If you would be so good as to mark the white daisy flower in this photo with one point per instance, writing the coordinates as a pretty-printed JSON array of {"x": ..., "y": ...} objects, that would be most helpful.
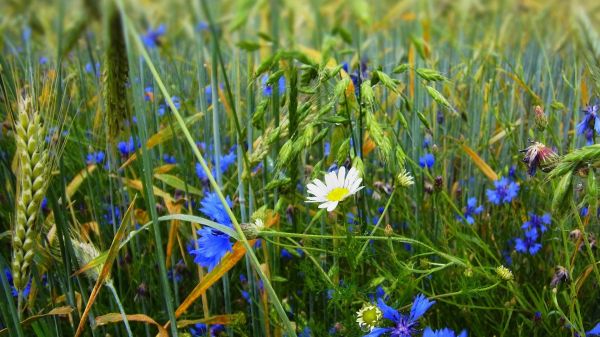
[
  {"x": 337, "y": 187},
  {"x": 368, "y": 317}
]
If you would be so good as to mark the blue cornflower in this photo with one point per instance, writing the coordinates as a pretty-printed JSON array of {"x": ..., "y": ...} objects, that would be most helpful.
[
  {"x": 285, "y": 254},
  {"x": 268, "y": 90},
  {"x": 176, "y": 273},
  {"x": 246, "y": 296},
  {"x": 214, "y": 209},
  {"x": 359, "y": 75},
  {"x": 208, "y": 94},
  {"x": 590, "y": 124},
  {"x": 538, "y": 222},
  {"x": 198, "y": 330},
  {"x": 326, "y": 149},
  {"x": 162, "y": 108},
  {"x": 440, "y": 117},
  {"x": 427, "y": 160},
  {"x": 26, "y": 34},
  {"x": 148, "y": 94},
  {"x": 305, "y": 332},
  {"x": 442, "y": 333},
  {"x": 169, "y": 159},
  {"x": 95, "y": 158},
  {"x": 512, "y": 172},
  {"x": 216, "y": 329},
  {"x": 212, "y": 243},
  {"x": 228, "y": 160},
  {"x": 43, "y": 60},
  {"x": 112, "y": 215},
  {"x": 14, "y": 290},
  {"x": 404, "y": 325},
  {"x": 595, "y": 331},
  {"x": 44, "y": 205},
  {"x": 472, "y": 209},
  {"x": 528, "y": 244},
  {"x": 212, "y": 246},
  {"x": 89, "y": 68},
  {"x": 379, "y": 293},
  {"x": 505, "y": 191},
  {"x": 427, "y": 142},
  {"x": 127, "y": 148},
  {"x": 202, "y": 26},
  {"x": 152, "y": 37}
]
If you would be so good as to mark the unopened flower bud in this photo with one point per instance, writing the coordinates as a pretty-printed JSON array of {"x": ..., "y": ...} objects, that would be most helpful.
[
  {"x": 251, "y": 230},
  {"x": 388, "y": 231},
  {"x": 541, "y": 121}
]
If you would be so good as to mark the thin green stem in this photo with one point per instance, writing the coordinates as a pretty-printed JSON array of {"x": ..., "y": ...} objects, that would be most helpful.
[{"x": 110, "y": 286}]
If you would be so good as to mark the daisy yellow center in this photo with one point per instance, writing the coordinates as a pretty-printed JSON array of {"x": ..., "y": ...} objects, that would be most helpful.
[
  {"x": 370, "y": 316},
  {"x": 337, "y": 194}
]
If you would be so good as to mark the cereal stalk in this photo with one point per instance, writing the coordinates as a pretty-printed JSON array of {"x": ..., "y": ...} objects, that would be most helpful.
[{"x": 32, "y": 177}]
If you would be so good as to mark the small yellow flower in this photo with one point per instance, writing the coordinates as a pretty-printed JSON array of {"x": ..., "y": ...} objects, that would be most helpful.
[
  {"x": 368, "y": 317},
  {"x": 337, "y": 187}
]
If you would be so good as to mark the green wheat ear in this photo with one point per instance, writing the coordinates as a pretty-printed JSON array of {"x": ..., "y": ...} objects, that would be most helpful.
[
  {"x": 115, "y": 74},
  {"x": 32, "y": 178}
]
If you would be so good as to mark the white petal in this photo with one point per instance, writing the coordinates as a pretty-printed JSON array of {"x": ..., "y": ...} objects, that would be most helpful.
[
  {"x": 341, "y": 177},
  {"x": 320, "y": 184},
  {"x": 332, "y": 206},
  {"x": 354, "y": 187},
  {"x": 312, "y": 188},
  {"x": 330, "y": 180}
]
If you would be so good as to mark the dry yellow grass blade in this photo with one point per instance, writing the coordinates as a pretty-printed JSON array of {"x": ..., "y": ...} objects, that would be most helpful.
[
  {"x": 66, "y": 310},
  {"x": 104, "y": 274},
  {"x": 238, "y": 318},
  {"x": 117, "y": 317},
  {"x": 228, "y": 262},
  {"x": 480, "y": 163},
  {"x": 78, "y": 180}
]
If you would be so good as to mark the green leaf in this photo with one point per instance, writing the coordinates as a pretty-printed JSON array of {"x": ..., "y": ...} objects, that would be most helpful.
[
  {"x": 248, "y": 45},
  {"x": 177, "y": 183}
]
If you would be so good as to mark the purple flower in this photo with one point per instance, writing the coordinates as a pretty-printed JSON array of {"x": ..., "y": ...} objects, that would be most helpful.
[
  {"x": 590, "y": 125},
  {"x": 505, "y": 191},
  {"x": 538, "y": 155},
  {"x": 403, "y": 325}
]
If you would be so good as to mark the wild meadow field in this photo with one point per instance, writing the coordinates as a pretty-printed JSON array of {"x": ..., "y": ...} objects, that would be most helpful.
[{"x": 299, "y": 168}]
